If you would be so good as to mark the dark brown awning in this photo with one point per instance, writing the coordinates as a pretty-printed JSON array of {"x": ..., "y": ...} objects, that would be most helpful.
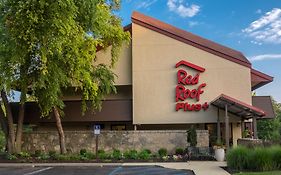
[
  {"x": 237, "y": 107},
  {"x": 264, "y": 103}
]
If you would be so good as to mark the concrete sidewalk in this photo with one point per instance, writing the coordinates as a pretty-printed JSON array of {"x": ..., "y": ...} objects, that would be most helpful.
[{"x": 199, "y": 167}]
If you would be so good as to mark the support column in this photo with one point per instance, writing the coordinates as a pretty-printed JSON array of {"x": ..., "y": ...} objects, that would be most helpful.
[
  {"x": 255, "y": 127},
  {"x": 242, "y": 126},
  {"x": 218, "y": 127},
  {"x": 135, "y": 127},
  {"x": 226, "y": 128}
]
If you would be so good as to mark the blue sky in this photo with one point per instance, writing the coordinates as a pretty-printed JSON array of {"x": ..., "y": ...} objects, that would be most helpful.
[{"x": 252, "y": 27}]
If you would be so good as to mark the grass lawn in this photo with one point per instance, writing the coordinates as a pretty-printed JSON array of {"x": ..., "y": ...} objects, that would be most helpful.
[{"x": 261, "y": 173}]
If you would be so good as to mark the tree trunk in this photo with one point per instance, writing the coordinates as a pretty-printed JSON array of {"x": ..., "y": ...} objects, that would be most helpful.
[
  {"x": 18, "y": 141},
  {"x": 11, "y": 131},
  {"x": 60, "y": 131},
  {"x": 4, "y": 128}
]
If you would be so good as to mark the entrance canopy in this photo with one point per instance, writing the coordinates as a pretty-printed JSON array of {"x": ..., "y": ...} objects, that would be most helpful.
[{"x": 237, "y": 107}]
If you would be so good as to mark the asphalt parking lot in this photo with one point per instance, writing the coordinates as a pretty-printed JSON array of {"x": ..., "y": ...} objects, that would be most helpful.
[{"x": 105, "y": 170}]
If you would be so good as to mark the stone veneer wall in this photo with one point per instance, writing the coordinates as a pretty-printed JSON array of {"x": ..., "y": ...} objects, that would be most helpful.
[
  {"x": 108, "y": 140},
  {"x": 202, "y": 138}
]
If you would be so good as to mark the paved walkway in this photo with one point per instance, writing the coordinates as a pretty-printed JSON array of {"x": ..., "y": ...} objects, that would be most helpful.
[{"x": 199, "y": 167}]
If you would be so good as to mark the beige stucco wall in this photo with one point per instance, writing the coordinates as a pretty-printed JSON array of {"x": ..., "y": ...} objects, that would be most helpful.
[
  {"x": 155, "y": 79},
  {"x": 123, "y": 67}
]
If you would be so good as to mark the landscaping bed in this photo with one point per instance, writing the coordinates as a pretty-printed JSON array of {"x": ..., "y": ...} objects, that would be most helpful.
[{"x": 115, "y": 156}]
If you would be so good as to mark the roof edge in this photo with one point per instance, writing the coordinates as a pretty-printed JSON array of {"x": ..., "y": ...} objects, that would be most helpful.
[
  {"x": 262, "y": 75},
  {"x": 181, "y": 35},
  {"x": 267, "y": 78}
]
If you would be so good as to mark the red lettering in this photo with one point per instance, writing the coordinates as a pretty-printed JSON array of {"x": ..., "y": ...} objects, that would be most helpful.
[
  {"x": 179, "y": 106},
  {"x": 197, "y": 107},
  {"x": 200, "y": 91},
  {"x": 195, "y": 80},
  {"x": 205, "y": 106},
  {"x": 181, "y": 76},
  {"x": 183, "y": 93},
  {"x": 180, "y": 93},
  {"x": 185, "y": 79},
  {"x": 191, "y": 107}
]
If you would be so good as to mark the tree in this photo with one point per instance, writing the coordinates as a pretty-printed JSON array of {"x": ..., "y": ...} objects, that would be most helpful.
[
  {"x": 53, "y": 46},
  {"x": 269, "y": 129}
]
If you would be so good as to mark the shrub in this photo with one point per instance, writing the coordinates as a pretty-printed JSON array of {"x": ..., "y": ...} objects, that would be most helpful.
[
  {"x": 131, "y": 154},
  {"x": 43, "y": 156},
  {"x": 116, "y": 154},
  {"x": 63, "y": 157},
  {"x": 261, "y": 159},
  {"x": 258, "y": 159},
  {"x": 83, "y": 151},
  {"x": 148, "y": 151},
  {"x": 192, "y": 136},
  {"x": 53, "y": 154},
  {"x": 179, "y": 151},
  {"x": 144, "y": 155},
  {"x": 276, "y": 156},
  {"x": 103, "y": 155},
  {"x": 11, "y": 156},
  {"x": 89, "y": 155},
  {"x": 25, "y": 155},
  {"x": 237, "y": 158},
  {"x": 162, "y": 152},
  {"x": 38, "y": 153}
]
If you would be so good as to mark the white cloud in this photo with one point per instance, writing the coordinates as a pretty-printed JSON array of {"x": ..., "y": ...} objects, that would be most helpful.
[
  {"x": 267, "y": 28},
  {"x": 145, "y": 4},
  {"x": 265, "y": 57},
  {"x": 183, "y": 9},
  {"x": 259, "y": 11},
  {"x": 192, "y": 23}
]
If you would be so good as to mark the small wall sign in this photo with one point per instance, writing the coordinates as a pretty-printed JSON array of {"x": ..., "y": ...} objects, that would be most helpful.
[
  {"x": 96, "y": 129},
  {"x": 183, "y": 91}
]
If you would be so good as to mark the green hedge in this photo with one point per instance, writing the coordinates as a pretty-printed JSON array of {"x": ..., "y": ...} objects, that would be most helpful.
[{"x": 257, "y": 159}]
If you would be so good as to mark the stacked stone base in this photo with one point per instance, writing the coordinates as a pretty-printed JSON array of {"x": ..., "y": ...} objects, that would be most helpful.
[{"x": 109, "y": 140}]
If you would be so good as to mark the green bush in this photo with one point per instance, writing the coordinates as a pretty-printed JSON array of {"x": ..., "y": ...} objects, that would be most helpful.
[
  {"x": 131, "y": 154},
  {"x": 144, "y": 155},
  {"x": 261, "y": 159},
  {"x": 237, "y": 158},
  {"x": 44, "y": 156},
  {"x": 11, "y": 156},
  {"x": 148, "y": 151},
  {"x": 179, "y": 151},
  {"x": 162, "y": 152},
  {"x": 258, "y": 159},
  {"x": 116, "y": 154},
  {"x": 89, "y": 155},
  {"x": 85, "y": 155},
  {"x": 83, "y": 151},
  {"x": 192, "y": 136},
  {"x": 103, "y": 155},
  {"x": 38, "y": 153},
  {"x": 63, "y": 157},
  {"x": 53, "y": 154},
  {"x": 24, "y": 155},
  {"x": 276, "y": 156}
]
